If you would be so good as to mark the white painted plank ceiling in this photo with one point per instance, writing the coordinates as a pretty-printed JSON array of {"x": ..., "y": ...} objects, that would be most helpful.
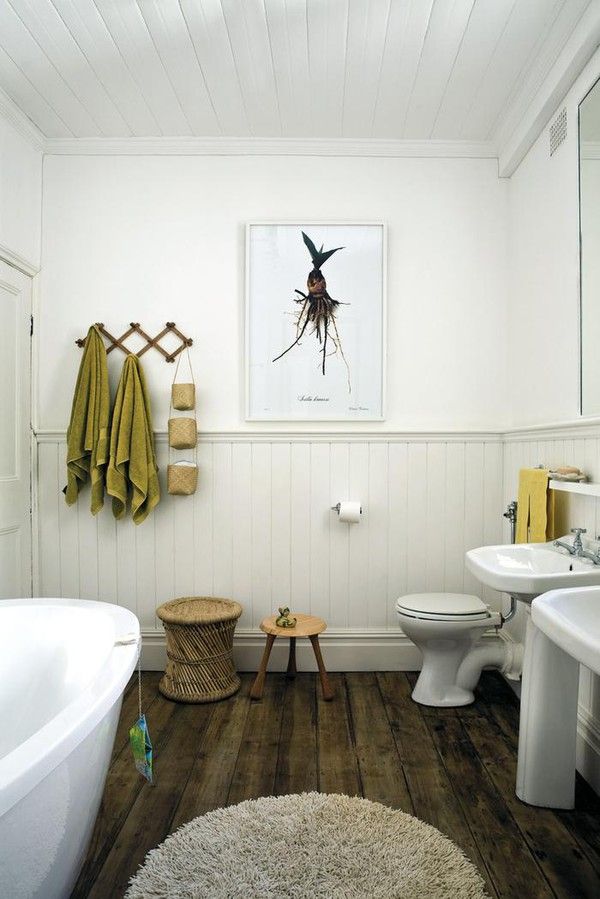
[{"x": 389, "y": 69}]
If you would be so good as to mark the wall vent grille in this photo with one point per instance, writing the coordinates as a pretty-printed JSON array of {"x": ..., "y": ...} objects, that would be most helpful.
[{"x": 558, "y": 131}]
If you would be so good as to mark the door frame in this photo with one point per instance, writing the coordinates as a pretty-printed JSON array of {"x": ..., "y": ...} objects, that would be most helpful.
[{"x": 31, "y": 271}]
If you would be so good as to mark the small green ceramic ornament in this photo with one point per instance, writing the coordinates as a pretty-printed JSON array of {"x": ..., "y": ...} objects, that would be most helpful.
[{"x": 284, "y": 618}]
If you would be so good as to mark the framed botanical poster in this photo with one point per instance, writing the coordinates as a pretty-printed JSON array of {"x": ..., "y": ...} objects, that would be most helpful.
[{"x": 315, "y": 321}]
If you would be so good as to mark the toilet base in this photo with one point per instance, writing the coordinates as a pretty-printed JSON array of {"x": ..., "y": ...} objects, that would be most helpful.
[
  {"x": 450, "y": 696},
  {"x": 449, "y": 630}
]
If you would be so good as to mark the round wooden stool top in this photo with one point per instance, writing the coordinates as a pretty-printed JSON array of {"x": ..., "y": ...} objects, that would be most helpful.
[{"x": 306, "y": 626}]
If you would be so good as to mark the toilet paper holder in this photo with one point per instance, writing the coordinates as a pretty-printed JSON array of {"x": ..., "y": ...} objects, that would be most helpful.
[{"x": 338, "y": 506}]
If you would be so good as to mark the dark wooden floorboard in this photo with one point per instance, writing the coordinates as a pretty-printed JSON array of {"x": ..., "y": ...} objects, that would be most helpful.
[
  {"x": 338, "y": 764},
  {"x": 381, "y": 776},
  {"x": 511, "y": 866},
  {"x": 297, "y": 757},
  {"x": 123, "y": 785},
  {"x": 216, "y": 758},
  {"x": 254, "y": 772},
  {"x": 454, "y": 768},
  {"x": 429, "y": 783},
  {"x": 565, "y": 867},
  {"x": 150, "y": 817}
]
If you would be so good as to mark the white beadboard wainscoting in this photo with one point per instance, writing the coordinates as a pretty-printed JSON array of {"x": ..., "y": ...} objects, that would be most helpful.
[
  {"x": 575, "y": 444},
  {"x": 260, "y": 530}
]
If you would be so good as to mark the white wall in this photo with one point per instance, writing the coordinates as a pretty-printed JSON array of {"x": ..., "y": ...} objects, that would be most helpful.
[
  {"x": 590, "y": 284},
  {"x": 543, "y": 330},
  {"x": 155, "y": 238},
  {"x": 20, "y": 196},
  {"x": 260, "y": 529},
  {"x": 543, "y": 230},
  {"x": 152, "y": 239}
]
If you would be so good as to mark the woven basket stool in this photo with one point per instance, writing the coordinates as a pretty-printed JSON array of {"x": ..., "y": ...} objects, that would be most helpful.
[{"x": 199, "y": 631}]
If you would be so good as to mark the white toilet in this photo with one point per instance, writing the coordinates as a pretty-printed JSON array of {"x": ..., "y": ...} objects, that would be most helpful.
[{"x": 447, "y": 628}]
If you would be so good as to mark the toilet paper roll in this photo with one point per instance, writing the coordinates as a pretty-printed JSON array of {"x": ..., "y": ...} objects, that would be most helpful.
[{"x": 350, "y": 512}]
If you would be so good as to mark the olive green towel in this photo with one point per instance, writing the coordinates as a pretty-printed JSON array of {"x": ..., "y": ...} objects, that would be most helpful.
[
  {"x": 87, "y": 434},
  {"x": 132, "y": 468}
]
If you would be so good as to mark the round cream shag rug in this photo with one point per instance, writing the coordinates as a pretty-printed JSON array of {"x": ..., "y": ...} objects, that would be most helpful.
[{"x": 307, "y": 846}]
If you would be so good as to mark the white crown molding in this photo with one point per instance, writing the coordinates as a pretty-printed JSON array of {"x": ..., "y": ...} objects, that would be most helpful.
[
  {"x": 19, "y": 121},
  {"x": 265, "y": 146},
  {"x": 537, "y": 102},
  {"x": 19, "y": 262},
  {"x": 308, "y": 436}
]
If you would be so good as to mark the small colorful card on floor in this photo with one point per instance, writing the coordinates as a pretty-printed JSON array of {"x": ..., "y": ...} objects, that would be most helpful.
[{"x": 142, "y": 747}]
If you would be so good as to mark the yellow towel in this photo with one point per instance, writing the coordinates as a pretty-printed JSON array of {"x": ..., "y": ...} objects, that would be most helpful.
[
  {"x": 132, "y": 469},
  {"x": 87, "y": 434},
  {"x": 536, "y": 512}
]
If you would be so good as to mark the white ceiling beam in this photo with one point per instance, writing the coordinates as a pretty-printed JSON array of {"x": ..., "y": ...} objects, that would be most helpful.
[
  {"x": 13, "y": 114},
  {"x": 536, "y": 108}
]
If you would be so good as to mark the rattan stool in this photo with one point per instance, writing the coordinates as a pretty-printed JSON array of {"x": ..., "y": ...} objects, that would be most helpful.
[{"x": 199, "y": 631}]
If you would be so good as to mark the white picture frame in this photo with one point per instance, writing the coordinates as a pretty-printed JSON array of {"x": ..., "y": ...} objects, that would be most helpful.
[{"x": 284, "y": 379}]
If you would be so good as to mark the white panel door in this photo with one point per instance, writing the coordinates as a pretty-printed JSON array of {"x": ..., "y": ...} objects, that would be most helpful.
[{"x": 15, "y": 403}]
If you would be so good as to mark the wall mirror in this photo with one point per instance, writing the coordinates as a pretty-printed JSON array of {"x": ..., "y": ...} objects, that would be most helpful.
[{"x": 589, "y": 229}]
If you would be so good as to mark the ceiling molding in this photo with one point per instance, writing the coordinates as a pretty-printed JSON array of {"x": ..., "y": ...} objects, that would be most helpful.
[
  {"x": 19, "y": 262},
  {"x": 536, "y": 104},
  {"x": 264, "y": 146},
  {"x": 19, "y": 121}
]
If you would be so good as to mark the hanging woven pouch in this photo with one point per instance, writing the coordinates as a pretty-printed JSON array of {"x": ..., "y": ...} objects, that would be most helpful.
[
  {"x": 182, "y": 478},
  {"x": 183, "y": 394},
  {"x": 183, "y": 433}
]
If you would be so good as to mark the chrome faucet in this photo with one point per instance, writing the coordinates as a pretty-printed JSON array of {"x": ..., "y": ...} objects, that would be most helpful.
[{"x": 577, "y": 548}]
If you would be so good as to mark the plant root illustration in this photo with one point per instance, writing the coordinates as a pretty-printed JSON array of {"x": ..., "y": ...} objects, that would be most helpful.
[{"x": 318, "y": 312}]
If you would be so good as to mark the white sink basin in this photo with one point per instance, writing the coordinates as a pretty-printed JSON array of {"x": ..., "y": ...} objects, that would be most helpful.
[
  {"x": 563, "y": 632},
  {"x": 571, "y": 619},
  {"x": 530, "y": 569}
]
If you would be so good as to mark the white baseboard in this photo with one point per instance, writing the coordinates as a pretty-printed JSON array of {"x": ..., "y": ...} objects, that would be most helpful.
[
  {"x": 386, "y": 649},
  {"x": 347, "y": 650}
]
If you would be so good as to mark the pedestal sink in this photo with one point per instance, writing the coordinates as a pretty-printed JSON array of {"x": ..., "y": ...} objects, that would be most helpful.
[
  {"x": 563, "y": 630},
  {"x": 527, "y": 570},
  {"x": 562, "y": 633}
]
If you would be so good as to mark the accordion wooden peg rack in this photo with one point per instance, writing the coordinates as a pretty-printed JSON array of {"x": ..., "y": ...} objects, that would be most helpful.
[{"x": 151, "y": 342}]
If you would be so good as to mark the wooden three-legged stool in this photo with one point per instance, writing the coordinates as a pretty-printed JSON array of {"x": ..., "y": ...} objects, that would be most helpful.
[{"x": 306, "y": 626}]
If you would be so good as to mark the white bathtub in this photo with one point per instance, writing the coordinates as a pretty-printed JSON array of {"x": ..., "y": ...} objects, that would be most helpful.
[{"x": 61, "y": 685}]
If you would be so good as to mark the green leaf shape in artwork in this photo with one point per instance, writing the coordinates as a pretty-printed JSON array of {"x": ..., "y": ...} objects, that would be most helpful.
[{"x": 318, "y": 256}]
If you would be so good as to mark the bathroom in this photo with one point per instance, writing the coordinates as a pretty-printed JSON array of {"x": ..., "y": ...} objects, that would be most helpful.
[{"x": 149, "y": 152}]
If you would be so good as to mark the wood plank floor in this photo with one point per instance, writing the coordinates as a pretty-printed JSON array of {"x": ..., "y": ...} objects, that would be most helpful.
[{"x": 454, "y": 768}]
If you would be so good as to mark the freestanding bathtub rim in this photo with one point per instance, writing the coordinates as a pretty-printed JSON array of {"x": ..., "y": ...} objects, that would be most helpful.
[{"x": 22, "y": 769}]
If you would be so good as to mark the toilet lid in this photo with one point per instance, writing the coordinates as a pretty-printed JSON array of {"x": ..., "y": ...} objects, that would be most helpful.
[{"x": 442, "y": 604}]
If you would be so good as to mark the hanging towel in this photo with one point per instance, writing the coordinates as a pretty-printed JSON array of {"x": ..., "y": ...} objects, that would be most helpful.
[
  {"x": 536, "y": 507},
  {"x": 132, "y": 468},
  {"x": 87, "y": 434}
]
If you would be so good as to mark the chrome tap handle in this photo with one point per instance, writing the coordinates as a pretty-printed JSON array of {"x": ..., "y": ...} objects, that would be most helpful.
[{"x": 577, "y": 542}]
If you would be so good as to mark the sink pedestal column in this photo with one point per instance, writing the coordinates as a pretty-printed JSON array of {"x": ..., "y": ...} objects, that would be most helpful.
[{"x": 548, "y": 725}]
